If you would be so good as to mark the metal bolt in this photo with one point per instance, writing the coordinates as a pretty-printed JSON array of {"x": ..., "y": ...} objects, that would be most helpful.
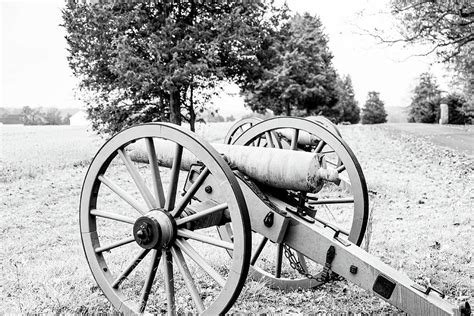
[
  {"x": 208, "y": 189},
  {"x": 268, "y": 220},
  {"x": 141, "y": 234},
  {"x": 353, "y": 269}
]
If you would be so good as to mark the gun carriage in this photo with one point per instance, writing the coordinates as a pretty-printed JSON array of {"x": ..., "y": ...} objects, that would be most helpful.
[{"x": 171, "y": 223}]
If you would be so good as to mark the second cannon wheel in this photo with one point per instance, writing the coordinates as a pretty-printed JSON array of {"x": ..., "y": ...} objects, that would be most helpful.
[{"x": 343, "y": 207}]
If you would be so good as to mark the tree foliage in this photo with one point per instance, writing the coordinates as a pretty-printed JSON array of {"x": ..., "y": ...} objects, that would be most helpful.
[
  {"x": 347, "y": 105},
  {"x": 424, "y": 107},
  {"x": 38, "y": 116},
  {"x": 446, "y": 25},
  {"x": 296, "y": 71},
  {"x": 147, "y": 62},
  {"x": 32, "y": 116},
  {"x": 373, "y": 111},
  {"x": 458, "y": 110},
  {"x": 448, "y": 28}
]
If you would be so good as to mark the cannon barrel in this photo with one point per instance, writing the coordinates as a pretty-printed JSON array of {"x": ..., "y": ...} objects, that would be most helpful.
[
  {"x": 284, "y": 169},
  {"x": 304, "y": 138}
]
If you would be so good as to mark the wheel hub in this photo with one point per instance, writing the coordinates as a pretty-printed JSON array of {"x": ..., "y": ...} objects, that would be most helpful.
[{"x": 155, "y": 230}]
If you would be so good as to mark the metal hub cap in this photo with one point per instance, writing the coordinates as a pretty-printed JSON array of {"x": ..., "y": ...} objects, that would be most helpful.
[{"x": 155, "y": 230}]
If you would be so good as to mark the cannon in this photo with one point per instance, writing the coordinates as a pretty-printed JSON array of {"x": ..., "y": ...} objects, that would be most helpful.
[{"x": 170, "y": 223}]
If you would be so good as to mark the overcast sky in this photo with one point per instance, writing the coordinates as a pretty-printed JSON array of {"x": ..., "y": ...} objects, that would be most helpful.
[{"x": 34, "y": 68}]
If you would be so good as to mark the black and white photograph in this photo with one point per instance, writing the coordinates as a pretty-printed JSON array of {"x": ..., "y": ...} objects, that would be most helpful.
[{"x": 249, "y": 157}]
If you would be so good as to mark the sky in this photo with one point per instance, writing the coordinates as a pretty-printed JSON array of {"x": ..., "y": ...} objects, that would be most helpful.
[{"x": 34, "y": 69}]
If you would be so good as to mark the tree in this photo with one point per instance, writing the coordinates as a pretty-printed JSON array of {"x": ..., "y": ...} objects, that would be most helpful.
[
  {"x": 447, "y": 27},
  {"x": 32, "y": 116},
  {"x": 53, "y": 117},
  {"x": 457, "y": 109},
  {"x": 373, "y": 111},
  {"x": 147, "y": 62},
  {"x": 424, "y": 107},
  {"x": 463, "y": 66},
  {"x": 296, "y": 71},
  {"x": 347, "y": 105}
]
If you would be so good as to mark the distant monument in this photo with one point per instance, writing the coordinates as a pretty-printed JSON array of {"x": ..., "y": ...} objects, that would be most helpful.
[{"x": 444, "y": 116}]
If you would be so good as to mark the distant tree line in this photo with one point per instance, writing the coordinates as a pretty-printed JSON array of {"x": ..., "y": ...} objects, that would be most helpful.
[
  {"x": 426, "y": 101},
  {"x": 39, "y": 116}
]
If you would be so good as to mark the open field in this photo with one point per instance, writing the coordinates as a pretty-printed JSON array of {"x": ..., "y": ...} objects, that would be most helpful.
[{"x": 421, "y": 197}]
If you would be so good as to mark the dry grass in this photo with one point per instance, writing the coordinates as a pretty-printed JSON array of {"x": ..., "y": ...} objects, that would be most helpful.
[{"x": 422, "y": 223}]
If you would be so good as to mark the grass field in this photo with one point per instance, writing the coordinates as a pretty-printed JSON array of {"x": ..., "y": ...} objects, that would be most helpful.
[{"x": 421, "y": 198}]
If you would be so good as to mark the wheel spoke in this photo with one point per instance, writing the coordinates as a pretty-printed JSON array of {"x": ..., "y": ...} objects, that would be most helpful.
[
  {"x": 198, "y": 215},
  {"x": 320, "y": 146},
  {"x": 294, "y": 140},
  {"x": 115, "y": 244},
  {"x": 331, "y": 163},
  {"x": 268, "y": 136},
  {"x": 155, "y": 172},
  {"x": 169, "y": 282},
  {"x": 302, "y": 260},
  {"x": 137, "y": 178},
  {"x": 332, "y": 201},
  {"x": 188, "y": 279},
  {"x": 257, "y": 252},
  {"x": 189, "y": 250},
  {"x": 279, "y": 258},
  {"x": 170, "y": 199},
  {"x": 149, "y": 280},
  {"x": 112, "y": 216},
  {"x": 328, "y": 211},
  {"x": 205, "y": 239},
  {"x": 123, "y": 194},
  {"x": 190, "y": 193},
  {"x": 277, "y": 140},
  {"x": 131, "y": 266}
]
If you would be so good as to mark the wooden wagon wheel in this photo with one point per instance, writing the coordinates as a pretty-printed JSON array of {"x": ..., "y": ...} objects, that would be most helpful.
[
  {"x": 137, "y": 234},
  {"x": 239, "y": 127},
  {"x": 351, "y": 200},
  {"x": 326, "y": 123}
]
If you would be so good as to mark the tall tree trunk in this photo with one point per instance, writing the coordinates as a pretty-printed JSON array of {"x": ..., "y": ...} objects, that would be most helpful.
[
  {"x": 288, "y": 109},
  {"x": 192, "y": 114},
  {"x": 175, "y": 107}
]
